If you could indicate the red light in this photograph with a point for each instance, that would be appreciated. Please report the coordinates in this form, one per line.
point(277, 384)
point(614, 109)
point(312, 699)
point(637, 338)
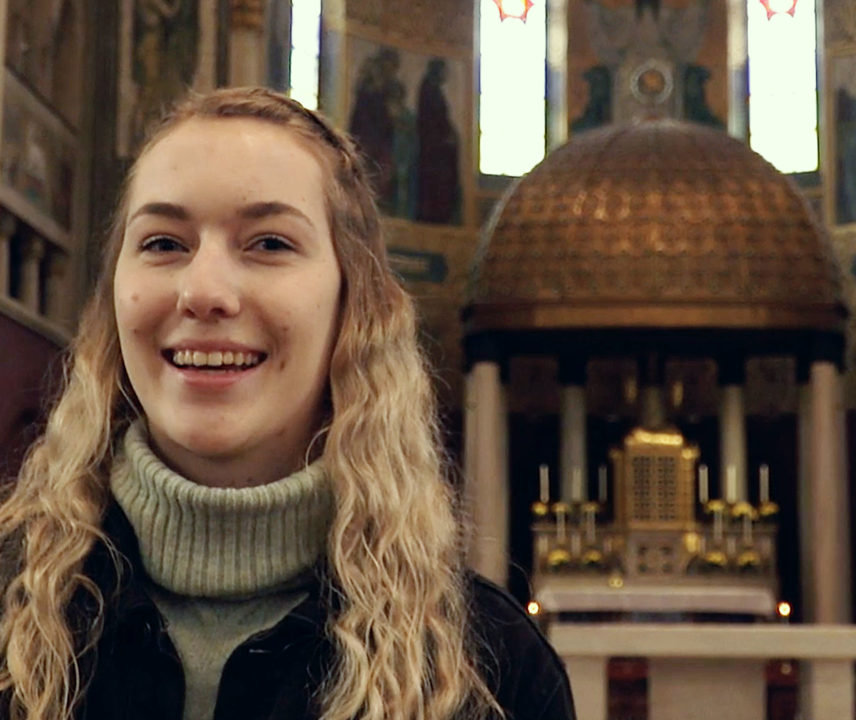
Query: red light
point(774, 7)
point(515, 9)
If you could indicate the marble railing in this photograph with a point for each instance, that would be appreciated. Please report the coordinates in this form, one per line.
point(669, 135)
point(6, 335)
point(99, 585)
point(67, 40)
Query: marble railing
point(711, 671)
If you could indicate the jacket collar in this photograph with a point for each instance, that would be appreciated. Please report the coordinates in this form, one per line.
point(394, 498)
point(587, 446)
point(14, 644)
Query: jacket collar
point(123, 586)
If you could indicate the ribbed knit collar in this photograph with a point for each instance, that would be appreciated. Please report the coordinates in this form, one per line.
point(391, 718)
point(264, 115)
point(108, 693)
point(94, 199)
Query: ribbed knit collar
point(219, 542)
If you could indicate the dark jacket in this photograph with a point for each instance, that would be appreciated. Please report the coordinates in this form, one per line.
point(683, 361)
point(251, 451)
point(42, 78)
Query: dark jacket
point(137, 675)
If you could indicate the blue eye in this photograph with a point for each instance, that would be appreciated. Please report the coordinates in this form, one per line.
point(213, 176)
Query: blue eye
point(271, 243)
point(162, 244)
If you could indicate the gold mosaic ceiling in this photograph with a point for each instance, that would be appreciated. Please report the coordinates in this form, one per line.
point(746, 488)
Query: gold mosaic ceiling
point(658, 224)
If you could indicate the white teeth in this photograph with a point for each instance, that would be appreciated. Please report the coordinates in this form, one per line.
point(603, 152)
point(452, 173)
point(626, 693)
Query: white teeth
point(217, 358)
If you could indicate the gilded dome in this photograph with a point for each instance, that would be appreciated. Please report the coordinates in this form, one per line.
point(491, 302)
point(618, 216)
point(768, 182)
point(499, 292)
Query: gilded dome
point(658, 224)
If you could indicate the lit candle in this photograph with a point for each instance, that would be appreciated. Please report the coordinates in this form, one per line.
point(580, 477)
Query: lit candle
point(601, 483)
point(703, 491)
point(764, 490)
point(544, 477)
point(577, 485)
point(731, 484)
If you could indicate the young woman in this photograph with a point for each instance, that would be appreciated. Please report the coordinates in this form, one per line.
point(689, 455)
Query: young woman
point(238, 508)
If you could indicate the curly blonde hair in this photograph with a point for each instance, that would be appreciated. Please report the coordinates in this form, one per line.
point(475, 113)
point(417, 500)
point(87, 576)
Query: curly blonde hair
point(394, 547)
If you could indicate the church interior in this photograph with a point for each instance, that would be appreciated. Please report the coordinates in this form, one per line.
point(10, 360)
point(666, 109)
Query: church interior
point(644, 346)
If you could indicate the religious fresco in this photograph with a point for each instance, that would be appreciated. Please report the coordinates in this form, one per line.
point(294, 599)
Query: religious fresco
point(433, 262)
point(839, 22)
point(629, 59)
point(842, 84)
point(44, 48)
point(38, 160)
point(405, 110)
point(166, 47)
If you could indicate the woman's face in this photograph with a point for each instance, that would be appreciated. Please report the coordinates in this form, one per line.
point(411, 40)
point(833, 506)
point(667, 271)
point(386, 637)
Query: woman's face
point(227, 296)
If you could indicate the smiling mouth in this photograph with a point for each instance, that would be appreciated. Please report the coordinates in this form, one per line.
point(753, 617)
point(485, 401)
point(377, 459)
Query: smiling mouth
point(225, 360)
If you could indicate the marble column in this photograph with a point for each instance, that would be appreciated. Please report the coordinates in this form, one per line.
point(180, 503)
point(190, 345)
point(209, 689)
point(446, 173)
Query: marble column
point(30, 292)
point(738, 73)
point(573, 469)
point(8, 225)
point(805, 497)
point(732, 443)
point(573, 444)
point(732, 429)
point(58, 305)
point(486, 467)
point(247, 49)
point(651, 373)
point(828, 507)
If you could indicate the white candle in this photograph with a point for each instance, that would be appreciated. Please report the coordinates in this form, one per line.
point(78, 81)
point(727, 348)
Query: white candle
point(731, 484)
point(703, 491)
point(764, 490)
point(544, 477)
point(601, 483)
point(577, 485)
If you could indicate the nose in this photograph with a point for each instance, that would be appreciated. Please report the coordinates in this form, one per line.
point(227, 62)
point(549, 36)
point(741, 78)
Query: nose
point(207, 286)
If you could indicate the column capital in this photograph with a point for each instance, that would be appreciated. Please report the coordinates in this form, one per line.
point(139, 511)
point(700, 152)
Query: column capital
point(247, 14)
point(573, 369)
point(822, 347)
point(482, 347)
point(8, 225)
point(651, 368)
point(731, 369)
point(34, 248)
point(57, 264)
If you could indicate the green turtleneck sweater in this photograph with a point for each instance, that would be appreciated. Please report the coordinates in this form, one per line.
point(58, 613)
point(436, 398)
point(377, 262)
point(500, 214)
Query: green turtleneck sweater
point(224, 563)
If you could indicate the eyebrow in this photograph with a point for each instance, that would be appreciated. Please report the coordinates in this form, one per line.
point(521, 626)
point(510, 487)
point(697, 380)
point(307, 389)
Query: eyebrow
point(163, 209)
point(253, 211)
point(258, 210)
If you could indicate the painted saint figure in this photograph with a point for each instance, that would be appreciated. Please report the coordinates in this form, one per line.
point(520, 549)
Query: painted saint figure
point(439, 186)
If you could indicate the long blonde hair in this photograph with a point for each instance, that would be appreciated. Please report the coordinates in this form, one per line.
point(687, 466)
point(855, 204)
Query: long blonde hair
point(394, 546)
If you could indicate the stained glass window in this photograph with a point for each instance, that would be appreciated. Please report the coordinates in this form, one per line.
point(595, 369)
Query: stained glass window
point(783, 83)
point(511, 90)
point(305, 42)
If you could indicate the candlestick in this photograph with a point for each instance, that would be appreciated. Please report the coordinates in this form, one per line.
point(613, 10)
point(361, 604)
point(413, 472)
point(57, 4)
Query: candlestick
point(731, 484)
point(601, 483)
point(544, 477)
point(703, 491)
point(747, 529)
point(590, 528)
point(764, 490)
point(576, 541)
point(717, 527)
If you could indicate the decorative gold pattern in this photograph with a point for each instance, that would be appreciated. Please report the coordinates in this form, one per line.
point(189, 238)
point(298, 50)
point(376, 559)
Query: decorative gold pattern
point(654, 472)
point(659, 223)
point(247, 14)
